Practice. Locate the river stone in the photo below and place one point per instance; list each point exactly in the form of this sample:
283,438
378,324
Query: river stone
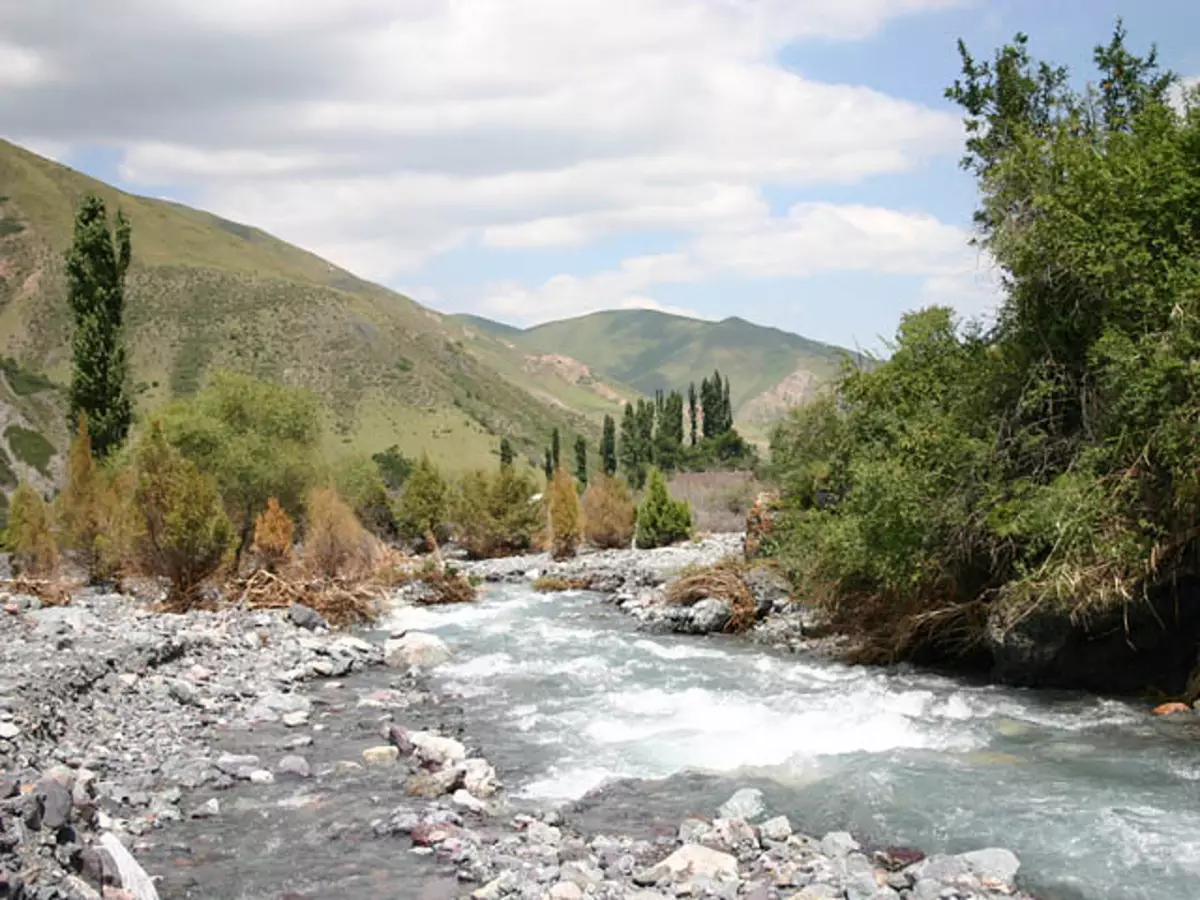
818,891
940,868
294,765
464,799
433,784
541,833
384,755
54,803
479,777
436,749
8,730
838,843
994,866
745,804
776,829
705,617
693,831
237,766
415,649
306,617
690,861
566,890
207,809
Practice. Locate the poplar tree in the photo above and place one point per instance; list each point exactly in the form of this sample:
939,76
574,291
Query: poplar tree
608,446
506,453
555,450
95,266
581,472
692,410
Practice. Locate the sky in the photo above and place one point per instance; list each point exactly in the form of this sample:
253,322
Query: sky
792,162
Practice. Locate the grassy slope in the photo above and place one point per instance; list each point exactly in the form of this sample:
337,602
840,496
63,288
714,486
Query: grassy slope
650,350
205,292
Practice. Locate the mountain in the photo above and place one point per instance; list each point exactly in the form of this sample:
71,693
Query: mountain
204,292
769,369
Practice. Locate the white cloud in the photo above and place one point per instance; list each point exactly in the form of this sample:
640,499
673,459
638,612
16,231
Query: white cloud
813,238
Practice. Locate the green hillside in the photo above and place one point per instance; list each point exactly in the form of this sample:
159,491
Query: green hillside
205,293
769,369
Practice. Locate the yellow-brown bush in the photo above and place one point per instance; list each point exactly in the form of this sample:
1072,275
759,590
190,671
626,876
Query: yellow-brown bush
77,508
119,524
608,512
335,542
186,534
564,516
273,532
29,535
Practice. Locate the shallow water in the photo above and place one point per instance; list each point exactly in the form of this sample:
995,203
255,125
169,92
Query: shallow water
565,696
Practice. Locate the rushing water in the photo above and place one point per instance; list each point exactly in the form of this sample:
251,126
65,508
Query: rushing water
1099,801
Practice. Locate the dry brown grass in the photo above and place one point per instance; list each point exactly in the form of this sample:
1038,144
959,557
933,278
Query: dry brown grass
551,584
343,602
50,591
565,516
719,500
724,580
273,533
609,513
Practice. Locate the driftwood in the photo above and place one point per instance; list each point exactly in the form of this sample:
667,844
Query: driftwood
342,602
51,591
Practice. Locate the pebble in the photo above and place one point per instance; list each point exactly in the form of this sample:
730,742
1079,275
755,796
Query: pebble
207,810
381,756
294,765
8,731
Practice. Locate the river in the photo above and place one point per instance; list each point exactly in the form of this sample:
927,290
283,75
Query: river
1100,801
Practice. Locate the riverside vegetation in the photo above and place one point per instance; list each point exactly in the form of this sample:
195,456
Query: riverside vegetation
1033,481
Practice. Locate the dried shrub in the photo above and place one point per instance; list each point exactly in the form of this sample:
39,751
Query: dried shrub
335,542
186,535
495,514
77,508
119,525
342,604
440,584
273,533
661,520
29,536
608,512
725,580
719,500
564,516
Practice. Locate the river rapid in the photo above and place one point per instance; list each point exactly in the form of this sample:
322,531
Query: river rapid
572,703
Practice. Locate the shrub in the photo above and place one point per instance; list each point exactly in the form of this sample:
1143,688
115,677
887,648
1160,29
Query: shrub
273,533
553,584
608,512
257,439
118,523
29,535
187,534
361,484
77,506
660,519
724,580
494,512
335,542
394,467
565,518
424,506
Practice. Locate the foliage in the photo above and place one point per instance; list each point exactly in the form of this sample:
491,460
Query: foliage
608,512
506,452
581,466
273,535
394,467
555,450
119,522
608,446
1050,461
335,542
77,507
258,440
424,506
661,520
95,266
564,516
495,513
186,534
361,484
30,447
29,536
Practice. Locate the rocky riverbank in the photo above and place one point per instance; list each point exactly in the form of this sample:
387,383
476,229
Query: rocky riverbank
128,734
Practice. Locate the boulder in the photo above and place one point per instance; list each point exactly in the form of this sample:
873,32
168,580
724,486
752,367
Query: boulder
294,765
688,862
54,803
704,617
479,777
838,843
306,617
415,649
777,829
432,785
434,748
994,866
745,804
768,587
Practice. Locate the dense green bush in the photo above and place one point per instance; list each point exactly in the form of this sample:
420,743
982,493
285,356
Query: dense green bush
361,484
660,519
1051,459
424,507
495,513
28,535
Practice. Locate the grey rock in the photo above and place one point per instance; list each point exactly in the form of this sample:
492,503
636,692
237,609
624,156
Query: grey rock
415,649
182,691
745,804
206,810
306,617
706,616
294,765
941,868
776,829
818,891
9,730
838,843
994,866
54,803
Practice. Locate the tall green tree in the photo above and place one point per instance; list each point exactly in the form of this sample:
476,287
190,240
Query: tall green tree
632,464
608,446
726,409
581,467
692,410
548,465
555,449
506,452
96,265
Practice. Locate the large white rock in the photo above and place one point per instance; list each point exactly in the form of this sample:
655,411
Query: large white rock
436,749
416,648
133,877
691,861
